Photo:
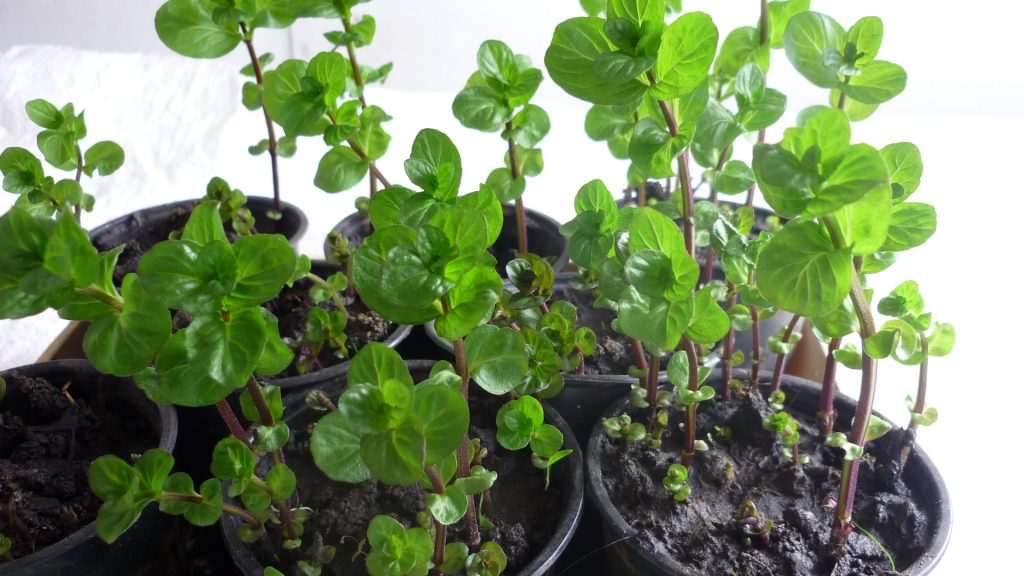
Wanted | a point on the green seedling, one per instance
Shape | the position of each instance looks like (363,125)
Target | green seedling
(788,431)
(752,524)
(675,481)
(497,98)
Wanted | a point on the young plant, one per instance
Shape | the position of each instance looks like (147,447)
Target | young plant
(214,28)
(497,97)
(60,144)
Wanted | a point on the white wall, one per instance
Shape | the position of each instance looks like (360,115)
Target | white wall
(956,54)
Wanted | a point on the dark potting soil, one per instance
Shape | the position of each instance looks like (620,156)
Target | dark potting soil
(704,533)
(46,445)
(292,307)
(612,354)
(520,508)
(145,239)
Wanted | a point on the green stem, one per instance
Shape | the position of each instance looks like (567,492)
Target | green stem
(691,411)
(470,520)
(177,497)
(762,39)
(96,293)
(271,136)
(919,404)
(327,286)
(373,166)
(243,514)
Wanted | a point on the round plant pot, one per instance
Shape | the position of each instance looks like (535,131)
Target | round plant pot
(568,481)
(542,235)
(152,225)
(628,557)
(83,553)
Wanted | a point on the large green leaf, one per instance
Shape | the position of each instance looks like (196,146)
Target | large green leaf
(656,322)
(708,322)
(472,302)
(340,168)
(367,274)
(496,358)
(652,230)
(865,223)
(376,363)
(188,28)
(905,169)
(182,274)
(265,262)
(808,36)
(687,50)
(481,108)
(779,14)
(800,271)
(444,417)
(434,164)
(571,58)
(395,457)
(127,342)
(335,449)
(912,224)
(877,82)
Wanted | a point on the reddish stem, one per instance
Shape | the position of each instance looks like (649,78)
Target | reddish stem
(780,359)
(727,351)
(691,411)
(826,412)
(755,348)
(271,136)
(228,415)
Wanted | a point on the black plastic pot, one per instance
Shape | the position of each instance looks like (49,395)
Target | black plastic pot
(566,519)
(542,235)
(292,225)
(83,553)
(629,558)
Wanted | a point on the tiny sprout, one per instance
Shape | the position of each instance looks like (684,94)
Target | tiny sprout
(753,524)
(638,397)
(675,481)
(838,440)
(777,401)
(319,401)
(925,418)
(700,446)
(786,427)
(624,427)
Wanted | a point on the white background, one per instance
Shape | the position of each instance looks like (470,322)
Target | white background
(181,123)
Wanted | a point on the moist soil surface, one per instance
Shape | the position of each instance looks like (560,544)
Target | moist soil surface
(704,533)
(292,308)
(612,354)
(46,445)
(524,514)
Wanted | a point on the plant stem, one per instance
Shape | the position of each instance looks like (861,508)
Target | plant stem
(271,136)
(683,161)
(640,360)
(440,530)
(92,291)
(755,348)
(780,359)
(470,521)
(243,514)
(513,160)
(691,411)
(730,341)
(919,404)
(652,387)
(641,195)
(373,166)
(327,286)
(841,526)
(826,413)
(267,418)
(228,415)
(762,39)
(357,74)
(709,254)
(176,497)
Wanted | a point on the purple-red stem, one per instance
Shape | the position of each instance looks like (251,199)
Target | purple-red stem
(234,426)
(470,520)
(780,359)
(826,412)
(755,352)
(513,160)
(691,411)
(762,39)
(652,387)
(267,418)
(730,341)
(271,136)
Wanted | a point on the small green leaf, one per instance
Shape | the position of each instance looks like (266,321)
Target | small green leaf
(877,82)
(687,50)
(496,358)
(435,165)
(44,114)
(335,448)
(877,428)
(941,340)
(570,60)
(270,438)
(450,507)
(808,36)
(340,168)
(281,480)
(546,441)
(481,108)
(517,421)
(396,456)
(188,27)
(232,460)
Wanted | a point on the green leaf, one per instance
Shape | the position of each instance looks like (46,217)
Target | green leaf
(335,449)
(903,300)
(800,271)
(637,11)
(281,480)
(517,420)
(877,82)
(125,343)
(708,322)
(69,254)
(209,512)
(941,340)
(444,417)
(496,358)
(905,168)
(881,344)
(808,36)
(656,322)
(912,224)
(865,223)
(740,47)
(367,272)
(866,36)
(571,59)
(276,355)
(204,224)
(104,157)
(187,275)
(734,178)
(652,150)
(394,457)
(618,67)
(779,14)
(270,438)
(652,230)
(481,108)
(860,171)
(265,262)
(876,428)
(44,114)
(472,302)
(450,507)
(340,168)
(530,125)
(23,172)
(546,441)
(764,112)
(687,50)
(116,517)
(485,203)
(188,28)
(435,165)
(715,131)
(232,460)
(111,478)
(479,481)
